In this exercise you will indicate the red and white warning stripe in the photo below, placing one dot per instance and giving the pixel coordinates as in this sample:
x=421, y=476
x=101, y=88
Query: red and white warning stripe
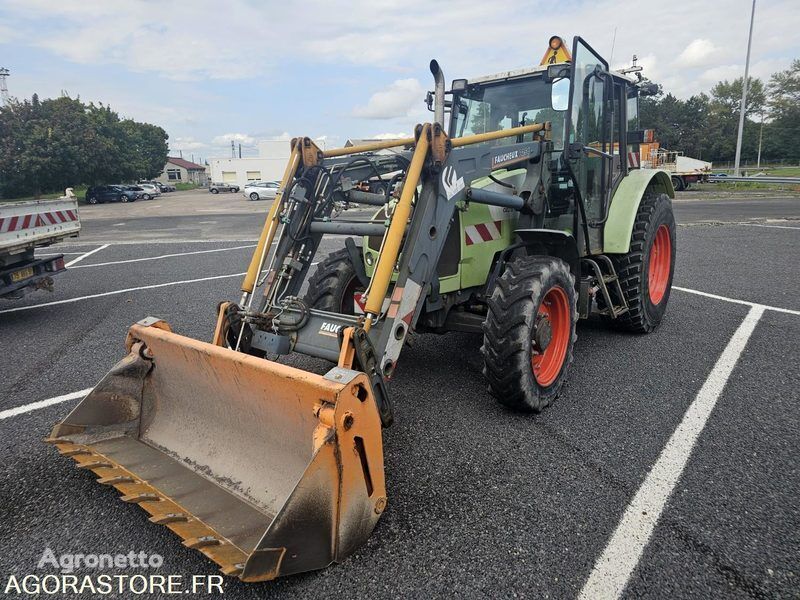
x=360, y=303
x=483, y=232
x=633, y=160
x=21, y=222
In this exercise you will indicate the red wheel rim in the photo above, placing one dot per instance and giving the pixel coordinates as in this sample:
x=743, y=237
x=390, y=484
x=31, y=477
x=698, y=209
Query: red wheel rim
x=555, y=309
x=658, y=267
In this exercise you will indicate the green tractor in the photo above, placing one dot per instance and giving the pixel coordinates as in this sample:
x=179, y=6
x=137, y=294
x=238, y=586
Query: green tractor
x=516, y=216
x=552, y=225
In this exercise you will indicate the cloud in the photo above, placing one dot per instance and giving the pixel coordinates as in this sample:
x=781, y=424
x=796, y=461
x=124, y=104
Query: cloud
x=698, y=53
x=389, y=136
x=398, y=100
x=239, y=138
x=391, y=36
x=186, y=143
x=196, y=74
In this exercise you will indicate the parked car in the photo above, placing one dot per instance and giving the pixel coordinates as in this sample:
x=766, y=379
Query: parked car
x=261, y=190
x=110, y=193
x=216, y=188
x=161, y=187
x=150, y=190
x=140, y=191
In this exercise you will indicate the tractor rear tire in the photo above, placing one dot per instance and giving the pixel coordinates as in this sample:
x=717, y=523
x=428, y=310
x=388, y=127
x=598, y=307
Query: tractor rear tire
x=645, y=272
x=333, y=285
x=529, y=332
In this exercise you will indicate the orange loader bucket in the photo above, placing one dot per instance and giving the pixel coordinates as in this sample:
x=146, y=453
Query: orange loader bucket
x=266, y=469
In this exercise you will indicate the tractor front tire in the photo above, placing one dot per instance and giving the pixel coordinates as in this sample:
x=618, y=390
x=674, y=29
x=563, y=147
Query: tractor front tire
x=334, y=284
x=529, y=332
x=645, y=272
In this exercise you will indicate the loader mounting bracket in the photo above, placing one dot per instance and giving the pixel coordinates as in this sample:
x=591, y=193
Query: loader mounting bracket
x=366, y=360
x=355, y=259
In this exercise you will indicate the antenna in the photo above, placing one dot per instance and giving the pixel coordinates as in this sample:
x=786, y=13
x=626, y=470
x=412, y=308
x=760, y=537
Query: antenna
x=4, y=97
x=613, y=44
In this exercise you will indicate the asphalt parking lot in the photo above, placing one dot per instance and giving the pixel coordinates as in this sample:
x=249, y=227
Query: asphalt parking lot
x=699, y=420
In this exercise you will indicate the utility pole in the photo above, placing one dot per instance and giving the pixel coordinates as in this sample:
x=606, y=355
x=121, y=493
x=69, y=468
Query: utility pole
x=744, y=95
x=4, y=97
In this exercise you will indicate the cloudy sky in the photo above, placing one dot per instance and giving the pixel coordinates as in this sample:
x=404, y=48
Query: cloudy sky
x=211, y=71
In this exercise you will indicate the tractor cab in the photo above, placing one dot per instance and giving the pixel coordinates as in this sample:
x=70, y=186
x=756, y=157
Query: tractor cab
x=594, y=137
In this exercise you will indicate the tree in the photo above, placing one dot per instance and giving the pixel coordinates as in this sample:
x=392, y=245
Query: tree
x=723, y=124
x=782, y=133
x=727, y=96
x=679, y=124
x=56, y=143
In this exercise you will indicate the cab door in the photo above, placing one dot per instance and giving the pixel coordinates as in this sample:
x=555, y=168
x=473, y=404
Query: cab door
x=590, y=132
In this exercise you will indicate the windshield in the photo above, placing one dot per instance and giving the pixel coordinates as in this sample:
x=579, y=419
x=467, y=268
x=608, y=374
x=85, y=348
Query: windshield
x=493, y=107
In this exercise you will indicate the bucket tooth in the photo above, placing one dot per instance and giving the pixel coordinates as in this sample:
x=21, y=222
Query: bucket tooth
x=95, y=464
x=73, y=451
x=169, y=518
x=115, y=479
x=201, y=542
x=57, y=441
x=141, y=497
x=233, y=570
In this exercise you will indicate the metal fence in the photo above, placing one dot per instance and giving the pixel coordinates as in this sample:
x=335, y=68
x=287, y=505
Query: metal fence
x=760, y=179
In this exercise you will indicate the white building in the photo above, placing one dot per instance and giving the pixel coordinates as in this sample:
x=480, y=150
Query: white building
x=267, y=166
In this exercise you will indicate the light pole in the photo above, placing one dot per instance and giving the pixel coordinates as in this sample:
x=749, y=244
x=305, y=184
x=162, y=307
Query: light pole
x=760, y=136
x=744, y=95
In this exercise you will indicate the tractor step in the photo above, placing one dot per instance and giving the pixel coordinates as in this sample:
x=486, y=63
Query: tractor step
x=610, y=288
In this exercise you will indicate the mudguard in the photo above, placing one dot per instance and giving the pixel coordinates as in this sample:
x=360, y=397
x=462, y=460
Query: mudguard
x=625, y=204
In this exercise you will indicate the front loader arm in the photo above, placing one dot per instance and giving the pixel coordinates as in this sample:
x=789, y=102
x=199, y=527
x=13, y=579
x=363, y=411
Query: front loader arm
x=434, y=183
x=444, y=186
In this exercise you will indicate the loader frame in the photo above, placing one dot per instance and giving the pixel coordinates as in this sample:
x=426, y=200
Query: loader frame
x=440, y=167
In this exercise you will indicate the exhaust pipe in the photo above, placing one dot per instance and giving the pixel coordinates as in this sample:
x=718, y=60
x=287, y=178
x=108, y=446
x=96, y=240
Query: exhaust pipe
x=438, y=105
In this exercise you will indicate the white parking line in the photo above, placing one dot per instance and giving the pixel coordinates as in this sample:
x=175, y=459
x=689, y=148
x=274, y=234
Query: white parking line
x=134, y=260
x=115, y=292
x=621, y=556
x=21, y=410
x=82, y=256
x=155, y=241
x=787, y=311
x=770, y=226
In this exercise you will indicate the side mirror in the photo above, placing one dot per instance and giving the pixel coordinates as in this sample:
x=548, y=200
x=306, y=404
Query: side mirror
x=559, y=94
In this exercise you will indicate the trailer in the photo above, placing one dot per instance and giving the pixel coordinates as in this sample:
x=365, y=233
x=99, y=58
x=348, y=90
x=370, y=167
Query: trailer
x=26, y=226
x=683, y=170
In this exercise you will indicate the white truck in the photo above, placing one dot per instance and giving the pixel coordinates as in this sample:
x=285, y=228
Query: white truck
x=683, y=170
x=25, y=226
